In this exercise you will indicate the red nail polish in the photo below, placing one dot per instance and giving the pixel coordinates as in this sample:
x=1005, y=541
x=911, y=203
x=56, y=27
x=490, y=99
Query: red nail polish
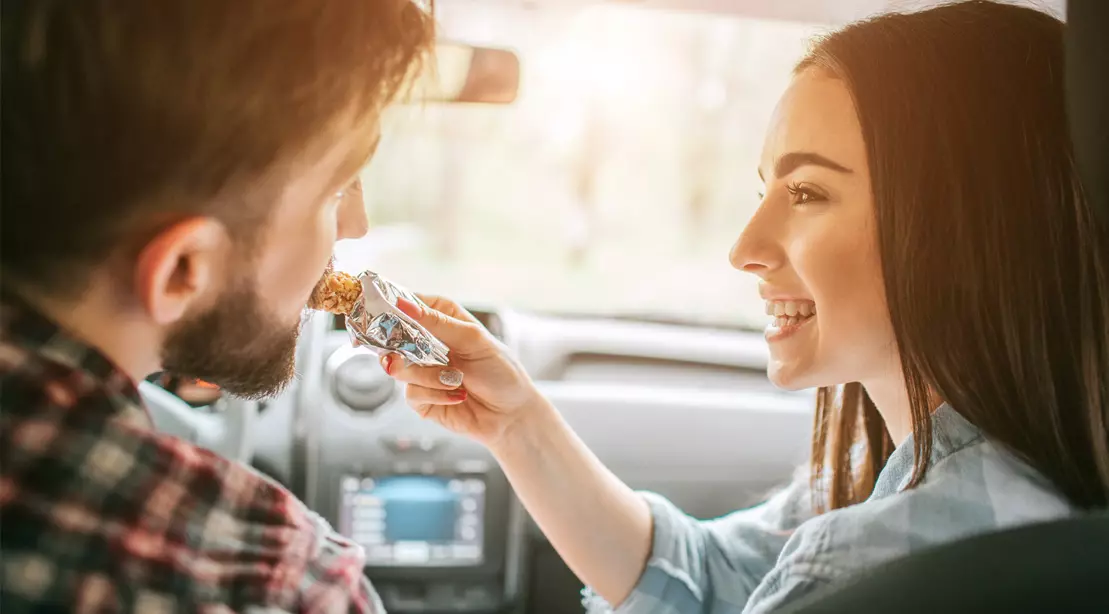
x=457, y=395
x=387, y=363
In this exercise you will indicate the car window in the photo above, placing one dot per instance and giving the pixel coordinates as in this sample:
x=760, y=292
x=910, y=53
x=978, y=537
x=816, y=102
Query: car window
x=614, y=186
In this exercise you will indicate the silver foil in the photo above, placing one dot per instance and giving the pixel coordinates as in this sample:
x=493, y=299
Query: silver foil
x=376, y=323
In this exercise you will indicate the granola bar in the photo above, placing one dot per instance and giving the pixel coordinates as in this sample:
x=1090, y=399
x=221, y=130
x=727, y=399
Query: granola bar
x=336, y=294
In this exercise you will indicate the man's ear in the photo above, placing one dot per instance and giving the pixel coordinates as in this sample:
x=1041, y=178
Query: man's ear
x=181, y=267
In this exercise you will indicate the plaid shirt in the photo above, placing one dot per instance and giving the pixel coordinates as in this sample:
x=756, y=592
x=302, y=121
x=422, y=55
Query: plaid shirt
x=764, y=558
x=99, y=513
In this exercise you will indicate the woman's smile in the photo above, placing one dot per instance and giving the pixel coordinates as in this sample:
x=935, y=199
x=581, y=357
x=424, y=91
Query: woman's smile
x=790, y=316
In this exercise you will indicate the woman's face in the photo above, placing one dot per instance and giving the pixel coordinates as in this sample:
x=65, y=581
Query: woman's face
x=813, y=243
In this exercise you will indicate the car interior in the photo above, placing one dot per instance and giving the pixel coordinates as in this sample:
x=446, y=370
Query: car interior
x=498, y=182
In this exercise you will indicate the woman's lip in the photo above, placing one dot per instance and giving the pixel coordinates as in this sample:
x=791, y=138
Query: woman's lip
x=783, y=298
x=770, y=293
x=775, y=333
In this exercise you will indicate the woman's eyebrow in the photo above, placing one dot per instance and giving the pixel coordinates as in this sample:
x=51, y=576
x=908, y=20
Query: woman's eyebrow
x=790, y=162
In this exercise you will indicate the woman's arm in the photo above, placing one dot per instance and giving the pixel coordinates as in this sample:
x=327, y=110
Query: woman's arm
x=607, y=533
x=636, y=551
x=598, y=525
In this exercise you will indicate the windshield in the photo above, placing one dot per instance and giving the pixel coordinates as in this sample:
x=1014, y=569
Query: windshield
x=614, y=186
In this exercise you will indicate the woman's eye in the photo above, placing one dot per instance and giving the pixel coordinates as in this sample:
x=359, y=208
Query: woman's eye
x=802, y=195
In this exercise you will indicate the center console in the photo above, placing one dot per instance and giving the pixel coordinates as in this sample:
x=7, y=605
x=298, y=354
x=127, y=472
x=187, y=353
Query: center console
x=438, y=540
x=441, y=528
x=416, y=520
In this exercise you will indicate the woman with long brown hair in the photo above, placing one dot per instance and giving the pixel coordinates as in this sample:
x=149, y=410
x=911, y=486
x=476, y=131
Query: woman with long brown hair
x=934, y=272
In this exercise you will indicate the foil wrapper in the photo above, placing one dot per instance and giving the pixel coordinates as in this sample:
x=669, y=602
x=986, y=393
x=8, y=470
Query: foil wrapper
x=377, y=324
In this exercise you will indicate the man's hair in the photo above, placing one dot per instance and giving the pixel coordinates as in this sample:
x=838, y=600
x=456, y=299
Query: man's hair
x=121, y=116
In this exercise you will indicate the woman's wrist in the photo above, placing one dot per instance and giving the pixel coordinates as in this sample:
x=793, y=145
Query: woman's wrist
x=599, y=526
x=525, y=431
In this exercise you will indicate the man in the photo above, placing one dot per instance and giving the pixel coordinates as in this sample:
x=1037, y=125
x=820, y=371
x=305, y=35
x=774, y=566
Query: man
x=173, y=185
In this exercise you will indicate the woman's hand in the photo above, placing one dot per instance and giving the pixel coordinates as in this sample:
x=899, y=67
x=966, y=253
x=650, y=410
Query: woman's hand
x=482, y=393
x=600, y=527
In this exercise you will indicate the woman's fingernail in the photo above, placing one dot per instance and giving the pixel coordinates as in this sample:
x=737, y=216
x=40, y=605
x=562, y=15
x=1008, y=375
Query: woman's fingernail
x=450, y=377
x=457, y=395
x=387, y=364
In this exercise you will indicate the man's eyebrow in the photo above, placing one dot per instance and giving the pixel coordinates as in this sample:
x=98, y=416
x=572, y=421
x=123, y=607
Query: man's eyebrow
x=790, y=162
x=356, y=161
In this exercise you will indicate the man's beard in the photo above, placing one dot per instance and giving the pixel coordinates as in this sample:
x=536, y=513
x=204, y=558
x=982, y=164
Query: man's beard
x=236, y=345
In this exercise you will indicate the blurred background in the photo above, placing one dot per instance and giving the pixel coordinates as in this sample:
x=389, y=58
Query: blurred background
x=614, y=185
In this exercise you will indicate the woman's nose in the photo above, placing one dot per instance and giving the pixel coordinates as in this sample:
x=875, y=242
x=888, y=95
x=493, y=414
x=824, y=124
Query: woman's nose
x=756, y=250
x=353, y=220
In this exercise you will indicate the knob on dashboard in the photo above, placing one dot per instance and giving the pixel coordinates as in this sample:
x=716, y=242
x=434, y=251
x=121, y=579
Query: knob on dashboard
x=361, y=384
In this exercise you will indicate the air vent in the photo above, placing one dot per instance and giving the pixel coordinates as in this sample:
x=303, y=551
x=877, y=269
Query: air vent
x=646, y=371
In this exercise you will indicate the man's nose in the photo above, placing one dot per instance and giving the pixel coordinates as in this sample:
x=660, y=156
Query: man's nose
x=757, y=250
x=354, y=221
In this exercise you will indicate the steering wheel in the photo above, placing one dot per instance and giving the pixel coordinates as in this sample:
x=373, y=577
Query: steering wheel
x=225, y=432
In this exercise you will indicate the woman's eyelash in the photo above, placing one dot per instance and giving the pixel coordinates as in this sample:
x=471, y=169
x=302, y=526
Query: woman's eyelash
x=803, y=195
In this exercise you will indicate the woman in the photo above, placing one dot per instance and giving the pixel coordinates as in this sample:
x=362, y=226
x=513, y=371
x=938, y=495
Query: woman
x=936, y=274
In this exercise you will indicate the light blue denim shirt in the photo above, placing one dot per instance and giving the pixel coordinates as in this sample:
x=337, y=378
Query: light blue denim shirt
x=759, y=559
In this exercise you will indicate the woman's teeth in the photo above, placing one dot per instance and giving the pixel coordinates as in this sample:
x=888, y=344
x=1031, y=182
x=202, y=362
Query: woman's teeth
x=791, y=308
x=788, y=313
x=784, y=321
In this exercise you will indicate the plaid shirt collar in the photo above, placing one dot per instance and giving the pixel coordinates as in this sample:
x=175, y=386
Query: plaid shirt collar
x=31, y=340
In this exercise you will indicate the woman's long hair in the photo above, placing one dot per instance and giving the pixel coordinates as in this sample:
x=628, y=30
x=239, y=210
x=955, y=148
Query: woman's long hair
x=996, y=272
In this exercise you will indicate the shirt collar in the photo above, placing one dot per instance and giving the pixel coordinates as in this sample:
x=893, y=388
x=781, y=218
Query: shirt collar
x=950, y=433
x=26, y=328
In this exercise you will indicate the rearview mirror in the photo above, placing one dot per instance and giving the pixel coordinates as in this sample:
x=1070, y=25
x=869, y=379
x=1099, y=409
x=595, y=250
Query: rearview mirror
x=457, y=73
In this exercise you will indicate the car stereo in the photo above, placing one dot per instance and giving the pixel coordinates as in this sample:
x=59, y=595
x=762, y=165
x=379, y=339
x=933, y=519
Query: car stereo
x=415, y=520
